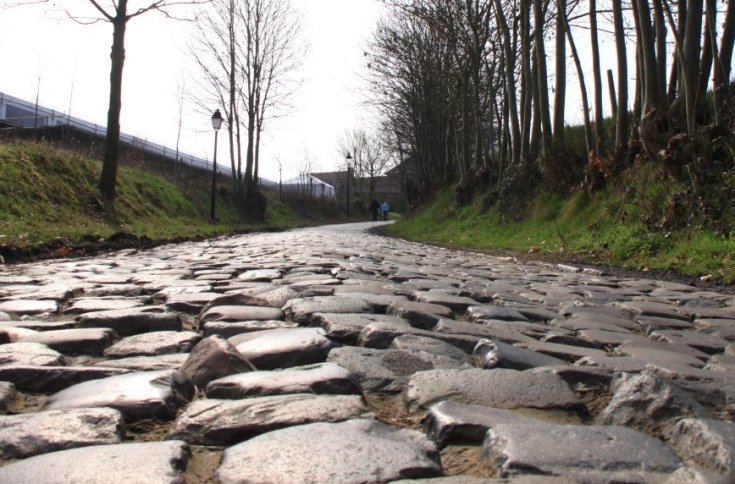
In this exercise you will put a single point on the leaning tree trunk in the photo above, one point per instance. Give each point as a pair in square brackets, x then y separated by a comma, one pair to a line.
[108, 178]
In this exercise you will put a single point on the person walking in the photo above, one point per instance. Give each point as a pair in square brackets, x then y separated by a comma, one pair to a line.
[374, 208]
[385, 207]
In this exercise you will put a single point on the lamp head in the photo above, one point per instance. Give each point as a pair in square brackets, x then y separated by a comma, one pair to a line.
[217, 120]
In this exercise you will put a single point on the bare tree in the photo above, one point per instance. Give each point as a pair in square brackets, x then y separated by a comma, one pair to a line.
[117, 13]
[248, 52]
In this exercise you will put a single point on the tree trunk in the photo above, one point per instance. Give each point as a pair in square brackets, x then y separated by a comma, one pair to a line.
[561, 73]
[621, 120]
[724, 60]
[108, 178]
[659, 26]
[510, 87]
[527, 92]
[582, 87]
[652, 127]
[710, 37]
[541, 77]
[597, 75]
[691, 46]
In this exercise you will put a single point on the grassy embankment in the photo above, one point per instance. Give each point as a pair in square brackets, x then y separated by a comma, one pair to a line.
[49, 195]
[610, 227]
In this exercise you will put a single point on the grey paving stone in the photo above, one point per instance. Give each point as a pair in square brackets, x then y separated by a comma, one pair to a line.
[561, 351]
[189, 302]
[651, 323]
[721, 363]
[496, 354]
[28, 306]
[322, 378]
[29, 354]
[432, 344]
[460, 422]
[227, 422]
[708, 442]
[153, 344]
[213, 358]
[302, 310]
[127, 322]
[266, 275]
[147, 363]
[283, 348]
[7, 396]
[662, 353]
[607, 338]
[140, 395]
[599, 318]
[346, 328]
[694, 475]
[452, 301]
[382, 334]
[28, 434]
[88, 304]
[707, 343]
[575, 450]
[46, 379]
[495, 313]
[500, 333]
[228, 329]
[574, 374]
[500, 388]
[86, 341]
[379, 302]
[420, 314]
[648, 402]
[318, 453]
[388, 370]
[149, 462]
[36, 325]
[240, 313]
[643, 309]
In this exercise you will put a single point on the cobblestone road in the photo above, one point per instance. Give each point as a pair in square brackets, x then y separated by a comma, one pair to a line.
[333, 355]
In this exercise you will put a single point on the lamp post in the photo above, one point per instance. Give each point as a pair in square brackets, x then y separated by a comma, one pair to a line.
[216, 124]
[348, 157]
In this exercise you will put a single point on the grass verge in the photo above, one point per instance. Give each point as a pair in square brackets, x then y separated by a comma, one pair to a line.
[48, 197]
[603, 229]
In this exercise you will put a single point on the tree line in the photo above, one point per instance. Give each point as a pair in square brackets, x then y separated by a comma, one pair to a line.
[477, 89]
[245, 51]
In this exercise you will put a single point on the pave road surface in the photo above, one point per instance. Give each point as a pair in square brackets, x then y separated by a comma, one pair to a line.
[331, 354]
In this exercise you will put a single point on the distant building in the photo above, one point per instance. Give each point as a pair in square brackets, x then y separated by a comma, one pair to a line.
[388, 187]
[309, 185]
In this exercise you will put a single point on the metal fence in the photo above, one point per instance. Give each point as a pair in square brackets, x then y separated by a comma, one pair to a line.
[23, 114]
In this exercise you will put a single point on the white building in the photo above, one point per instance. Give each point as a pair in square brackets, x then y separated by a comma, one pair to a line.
[310, 186]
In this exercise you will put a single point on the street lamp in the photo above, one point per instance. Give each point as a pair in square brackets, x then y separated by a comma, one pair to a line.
[348, 157]
[216, 124]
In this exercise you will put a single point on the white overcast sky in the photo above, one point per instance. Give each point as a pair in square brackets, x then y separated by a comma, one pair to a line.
[72, 62]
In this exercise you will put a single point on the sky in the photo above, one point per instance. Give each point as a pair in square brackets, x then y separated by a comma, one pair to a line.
[67, 65]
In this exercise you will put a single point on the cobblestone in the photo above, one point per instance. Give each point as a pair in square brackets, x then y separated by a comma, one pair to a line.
[506, 360]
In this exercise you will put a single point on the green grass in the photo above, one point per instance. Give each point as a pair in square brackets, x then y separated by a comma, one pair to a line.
[602, 229]
[47, 194]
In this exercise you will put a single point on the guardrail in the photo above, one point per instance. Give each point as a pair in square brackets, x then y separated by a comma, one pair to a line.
[39, 117]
